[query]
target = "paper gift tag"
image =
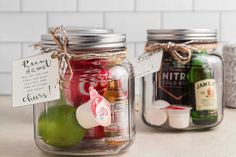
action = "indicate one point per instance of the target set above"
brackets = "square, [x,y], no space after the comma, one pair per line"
[147,63]
[35,80]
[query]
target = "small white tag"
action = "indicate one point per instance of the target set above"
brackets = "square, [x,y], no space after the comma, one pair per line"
[35,80]
[147,63]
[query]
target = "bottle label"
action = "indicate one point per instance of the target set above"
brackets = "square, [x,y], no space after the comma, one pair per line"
[100,108]
[172,84]
[205,95]
[119,128]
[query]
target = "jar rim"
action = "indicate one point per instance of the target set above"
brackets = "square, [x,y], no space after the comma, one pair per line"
[86,41]
[182,34]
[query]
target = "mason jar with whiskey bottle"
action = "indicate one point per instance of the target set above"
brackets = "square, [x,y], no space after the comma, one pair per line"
[171,98]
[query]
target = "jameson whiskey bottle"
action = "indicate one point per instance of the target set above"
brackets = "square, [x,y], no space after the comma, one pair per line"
[118,132]
[202,90]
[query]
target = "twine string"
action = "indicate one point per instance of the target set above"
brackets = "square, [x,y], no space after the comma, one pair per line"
[60,37]
[180,52]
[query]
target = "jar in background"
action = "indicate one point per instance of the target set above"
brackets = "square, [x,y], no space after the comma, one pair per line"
[187,92]
[229,56]
[98,61]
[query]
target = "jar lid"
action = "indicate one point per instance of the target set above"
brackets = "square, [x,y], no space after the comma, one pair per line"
[88,41]
[182,34]
[84,30]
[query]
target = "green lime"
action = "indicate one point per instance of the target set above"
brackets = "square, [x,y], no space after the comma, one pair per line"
[58,126]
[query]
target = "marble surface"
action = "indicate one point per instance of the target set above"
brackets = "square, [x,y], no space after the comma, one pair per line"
[16,137]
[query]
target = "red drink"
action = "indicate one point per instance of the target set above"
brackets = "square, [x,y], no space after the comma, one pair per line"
[85,74]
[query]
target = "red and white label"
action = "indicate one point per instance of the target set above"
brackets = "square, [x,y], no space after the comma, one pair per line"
[85,75]
[100,108]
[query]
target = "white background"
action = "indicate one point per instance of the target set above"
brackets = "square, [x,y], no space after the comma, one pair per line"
[23,21]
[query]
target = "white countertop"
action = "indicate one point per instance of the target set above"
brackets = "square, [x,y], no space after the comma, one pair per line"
[16,137]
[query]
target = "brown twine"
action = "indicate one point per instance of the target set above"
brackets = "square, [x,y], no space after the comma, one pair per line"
[106,55]
[209,47]
[60,37]
[64,54]
[180,52]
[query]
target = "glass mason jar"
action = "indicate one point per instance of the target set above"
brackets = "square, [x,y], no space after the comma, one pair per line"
[184,95]
[98,61]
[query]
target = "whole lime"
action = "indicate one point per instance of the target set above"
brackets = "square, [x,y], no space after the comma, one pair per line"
[58,126]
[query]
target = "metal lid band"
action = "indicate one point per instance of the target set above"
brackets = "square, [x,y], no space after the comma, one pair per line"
[182,34]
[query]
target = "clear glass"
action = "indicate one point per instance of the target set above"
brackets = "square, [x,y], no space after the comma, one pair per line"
[114,81]
[176,85]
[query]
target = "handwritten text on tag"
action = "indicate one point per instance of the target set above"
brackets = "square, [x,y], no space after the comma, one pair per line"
[35,80]
[147,63]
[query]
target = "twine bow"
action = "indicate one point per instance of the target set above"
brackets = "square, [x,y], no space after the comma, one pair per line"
[60,37]
[180,52]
